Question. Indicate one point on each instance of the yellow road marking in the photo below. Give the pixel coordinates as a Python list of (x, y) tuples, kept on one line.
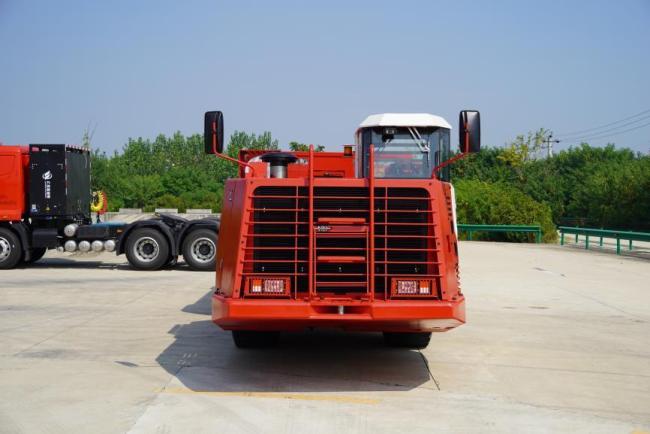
[(274, 395)]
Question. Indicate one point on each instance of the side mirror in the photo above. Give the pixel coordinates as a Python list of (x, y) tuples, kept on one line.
[(469, 131), (213, 132)]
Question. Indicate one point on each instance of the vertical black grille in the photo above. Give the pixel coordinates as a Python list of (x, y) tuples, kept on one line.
[(405, 243), (403, 235)]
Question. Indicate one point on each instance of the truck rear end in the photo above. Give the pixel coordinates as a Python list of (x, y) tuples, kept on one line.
[(362, 241)]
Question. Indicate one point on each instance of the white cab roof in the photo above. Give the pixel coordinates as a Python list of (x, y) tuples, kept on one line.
[(404, 120)]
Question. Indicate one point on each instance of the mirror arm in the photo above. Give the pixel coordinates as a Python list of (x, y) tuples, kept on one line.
[(448, 162), (225, 157), (234, 160)]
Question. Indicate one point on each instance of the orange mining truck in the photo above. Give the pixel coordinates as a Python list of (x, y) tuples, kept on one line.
[(362, 240)]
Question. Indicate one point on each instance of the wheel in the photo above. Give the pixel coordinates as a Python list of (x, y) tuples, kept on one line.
[(11, 251), (200, 249), (37, 253), (255, 339), (147, 249), (407, 340)]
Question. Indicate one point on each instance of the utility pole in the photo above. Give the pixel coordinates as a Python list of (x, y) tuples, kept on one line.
[(549, 145)]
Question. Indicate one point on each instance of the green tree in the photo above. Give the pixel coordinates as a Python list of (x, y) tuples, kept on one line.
[(141, 190), (590, 186), (304, 147), (479, 202), (583, 185), (169, 172), (523, 149)]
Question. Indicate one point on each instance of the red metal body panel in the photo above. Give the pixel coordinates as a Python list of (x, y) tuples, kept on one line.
[(326, 164), (288, 315), (368, 309), (14, 161)]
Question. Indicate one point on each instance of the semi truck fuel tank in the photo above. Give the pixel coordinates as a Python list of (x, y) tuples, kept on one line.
[(102, 231)]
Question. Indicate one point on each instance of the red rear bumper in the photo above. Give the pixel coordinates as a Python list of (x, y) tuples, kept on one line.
[(394, 315)]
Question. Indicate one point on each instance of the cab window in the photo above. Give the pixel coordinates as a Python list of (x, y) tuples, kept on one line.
[(406, 152)]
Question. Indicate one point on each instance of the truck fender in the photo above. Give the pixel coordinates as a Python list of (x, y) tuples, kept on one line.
[(155, 224), (21, 229), (209, 223)]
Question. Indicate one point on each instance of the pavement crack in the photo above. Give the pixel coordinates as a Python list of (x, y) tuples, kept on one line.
[(426, 364), (148, 401), (602, 303)]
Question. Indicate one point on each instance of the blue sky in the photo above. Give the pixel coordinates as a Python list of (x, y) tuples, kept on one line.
[(311, 71)]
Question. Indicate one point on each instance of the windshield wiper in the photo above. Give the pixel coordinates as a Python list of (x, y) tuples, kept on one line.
[(417, 138)]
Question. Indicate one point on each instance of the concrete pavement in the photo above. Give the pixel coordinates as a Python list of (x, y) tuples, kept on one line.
[(557, 340)]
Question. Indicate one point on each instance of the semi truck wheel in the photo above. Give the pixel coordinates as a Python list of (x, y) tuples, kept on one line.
[(200, 249), (11, 251), (407, 340), (37, 253), (254, 339), (147, 249)]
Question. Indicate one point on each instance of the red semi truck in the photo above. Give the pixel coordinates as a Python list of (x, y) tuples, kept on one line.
[(45, 204), (363, 239)]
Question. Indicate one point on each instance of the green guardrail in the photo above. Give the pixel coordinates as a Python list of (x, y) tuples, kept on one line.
[(470, 229), (603, 233)]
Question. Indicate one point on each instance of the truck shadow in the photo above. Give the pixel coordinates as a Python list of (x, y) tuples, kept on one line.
[(203, 358), (72, 263)]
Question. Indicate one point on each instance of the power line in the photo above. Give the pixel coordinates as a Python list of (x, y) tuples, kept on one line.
[(606, 125), (615, 133), (549, 145), (608, 129), (612, 134)]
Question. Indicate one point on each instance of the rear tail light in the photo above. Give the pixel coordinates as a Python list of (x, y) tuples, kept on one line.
[(273, 286), (267, 287), (256, 286), (411, 288), (407, 287)]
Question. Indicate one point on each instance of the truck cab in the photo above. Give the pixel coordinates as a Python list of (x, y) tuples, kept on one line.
[(406, 145), (363, 239)]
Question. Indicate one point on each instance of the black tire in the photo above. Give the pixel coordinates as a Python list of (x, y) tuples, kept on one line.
[(37, 253), (147, 249), (407, 340), (255, 339), (11, 251), (200, 249)]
